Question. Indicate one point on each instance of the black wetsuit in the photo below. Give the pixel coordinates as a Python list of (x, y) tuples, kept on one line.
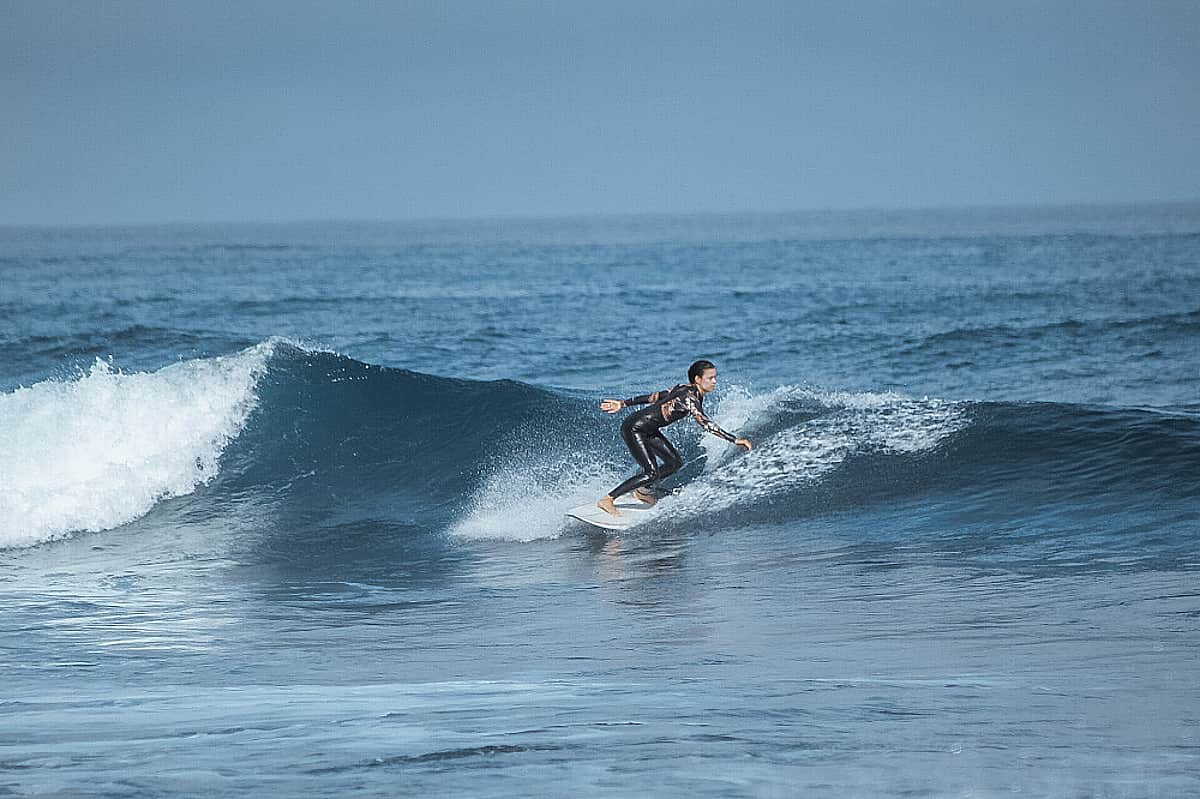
[(642, 431)]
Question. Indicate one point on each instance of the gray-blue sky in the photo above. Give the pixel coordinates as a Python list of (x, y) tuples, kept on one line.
[(271, 110)]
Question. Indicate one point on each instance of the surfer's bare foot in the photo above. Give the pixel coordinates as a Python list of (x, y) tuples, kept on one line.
[(606, 504), (645, 496)]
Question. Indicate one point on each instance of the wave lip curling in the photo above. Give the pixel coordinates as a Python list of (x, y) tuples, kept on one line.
[(97, 452)]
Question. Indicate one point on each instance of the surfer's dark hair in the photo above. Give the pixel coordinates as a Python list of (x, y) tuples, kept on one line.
[(697, 369)]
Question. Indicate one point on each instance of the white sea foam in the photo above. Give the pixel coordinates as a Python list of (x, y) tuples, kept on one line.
[(526, 502), (847, 424), (99, 451)]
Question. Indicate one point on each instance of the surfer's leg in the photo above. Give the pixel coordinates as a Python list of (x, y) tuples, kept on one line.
[(642, 449), (661, 449), (665, 451), (637, 443)]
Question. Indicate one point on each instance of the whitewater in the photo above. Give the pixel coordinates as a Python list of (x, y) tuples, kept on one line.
[(281, 507)]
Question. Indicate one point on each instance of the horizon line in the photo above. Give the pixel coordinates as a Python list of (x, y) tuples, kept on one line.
[(610, 215)]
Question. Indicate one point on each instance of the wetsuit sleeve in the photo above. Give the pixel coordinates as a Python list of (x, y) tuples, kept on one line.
[(644, 399), (689, 402)]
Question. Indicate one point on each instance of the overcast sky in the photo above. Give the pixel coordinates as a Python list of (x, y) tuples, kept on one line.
[(208, 110)]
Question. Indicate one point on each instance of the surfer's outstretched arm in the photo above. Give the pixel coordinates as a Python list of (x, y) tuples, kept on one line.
[(612, 405)]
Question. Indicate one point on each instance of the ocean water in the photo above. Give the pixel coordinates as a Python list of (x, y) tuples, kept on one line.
[(281, 508)]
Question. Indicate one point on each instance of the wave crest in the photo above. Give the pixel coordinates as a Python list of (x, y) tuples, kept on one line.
[(99, 451)]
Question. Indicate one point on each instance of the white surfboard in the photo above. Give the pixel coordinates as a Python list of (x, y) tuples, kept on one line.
[(632, 512)]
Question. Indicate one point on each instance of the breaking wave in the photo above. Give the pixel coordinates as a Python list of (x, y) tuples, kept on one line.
[(322, 440)]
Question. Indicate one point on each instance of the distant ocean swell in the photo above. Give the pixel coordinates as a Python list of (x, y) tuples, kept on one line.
[(282, 426), (1151, 329)]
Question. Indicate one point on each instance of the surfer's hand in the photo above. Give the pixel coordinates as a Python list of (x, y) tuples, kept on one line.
[(611, 406), (744, 443)]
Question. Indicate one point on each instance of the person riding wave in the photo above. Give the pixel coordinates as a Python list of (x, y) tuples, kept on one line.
[(642, 431)]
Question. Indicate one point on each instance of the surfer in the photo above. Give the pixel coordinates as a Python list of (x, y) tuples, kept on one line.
[(642, 431)]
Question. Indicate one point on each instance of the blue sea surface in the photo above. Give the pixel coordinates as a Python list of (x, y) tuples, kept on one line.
[(281, 507)]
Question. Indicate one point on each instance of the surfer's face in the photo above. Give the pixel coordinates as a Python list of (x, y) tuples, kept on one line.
[(707, 381)]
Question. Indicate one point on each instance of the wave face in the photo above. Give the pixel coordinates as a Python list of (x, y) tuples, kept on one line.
[(313, 439)]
